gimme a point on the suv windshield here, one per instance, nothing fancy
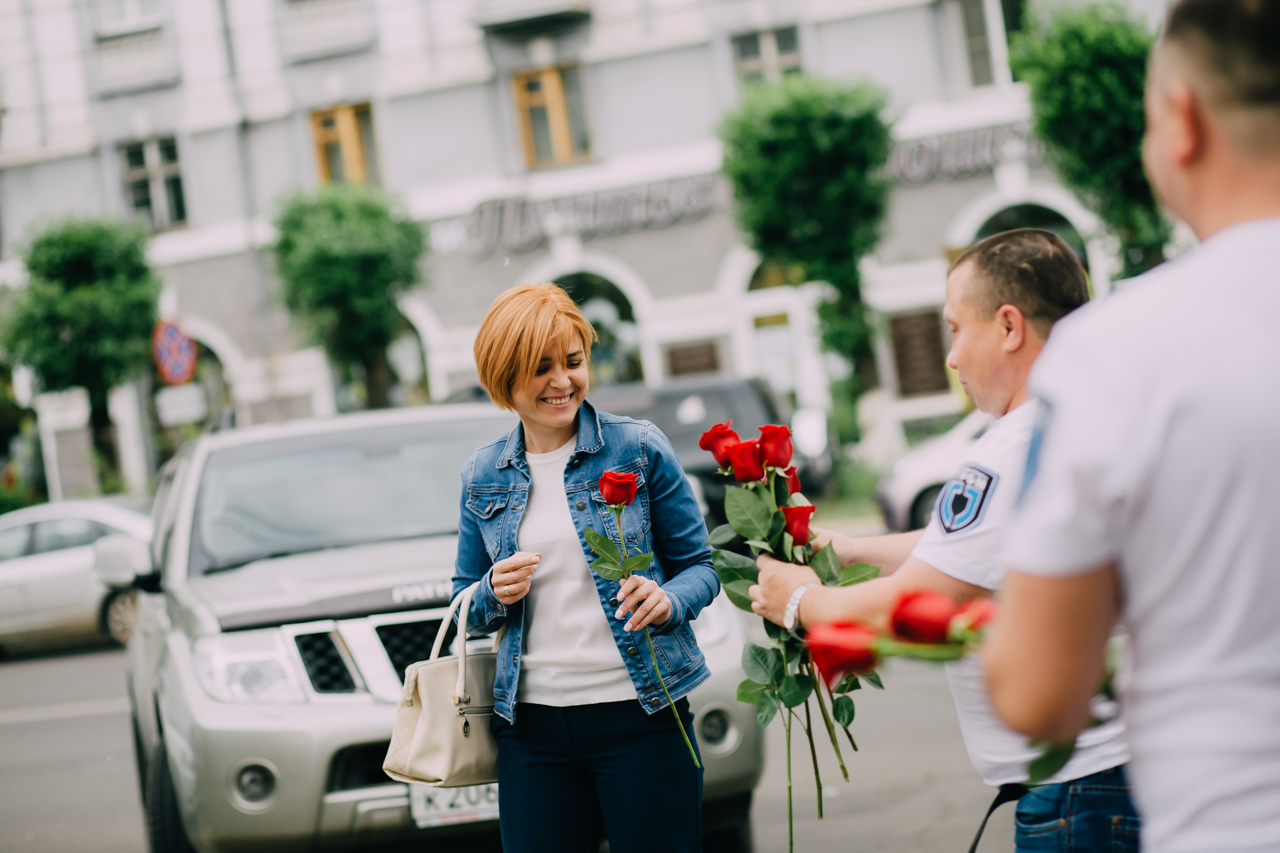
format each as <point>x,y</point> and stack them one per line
<point>309,493</point>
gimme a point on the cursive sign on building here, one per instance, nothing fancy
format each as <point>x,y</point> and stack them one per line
<point>964,154</point>
<point>513,225</point>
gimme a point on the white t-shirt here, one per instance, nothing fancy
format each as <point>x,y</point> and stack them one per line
<point>1159,450</point>
<point>964,539</point>
<point>570,657</point>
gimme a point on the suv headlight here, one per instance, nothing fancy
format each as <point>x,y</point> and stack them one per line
<point>248,666</point>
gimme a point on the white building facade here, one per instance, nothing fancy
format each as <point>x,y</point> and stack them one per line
<point>568,140</point>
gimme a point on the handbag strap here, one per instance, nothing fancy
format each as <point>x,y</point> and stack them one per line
<point>463,601</point>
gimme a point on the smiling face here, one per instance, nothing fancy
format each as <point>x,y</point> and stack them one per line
<point>983,349</point>
<point>548,403</point>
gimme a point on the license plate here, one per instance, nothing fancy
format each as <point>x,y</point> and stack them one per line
<point>437,806</point>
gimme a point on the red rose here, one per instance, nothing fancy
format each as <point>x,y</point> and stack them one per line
<point>744,456</point>
<point>796,522</point>
<point>618,488</point>
<point>775,445</point>
<point>922,616</point>
<point>793,479</point>
<point>838,649</point>
<point>976,615</point>
<point>717,439</point>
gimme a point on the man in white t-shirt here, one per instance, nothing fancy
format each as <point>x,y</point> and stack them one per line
<point>1003,296</point>
<point>1154,488</point>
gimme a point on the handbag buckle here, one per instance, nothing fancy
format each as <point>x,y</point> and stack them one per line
<point>461,700</point>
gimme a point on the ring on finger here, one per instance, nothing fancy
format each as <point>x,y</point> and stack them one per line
<point>506,590</point>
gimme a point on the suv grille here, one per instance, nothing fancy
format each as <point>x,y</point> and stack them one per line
<point>410,642</point>
<point>325,666</point>
<point>358,766</point>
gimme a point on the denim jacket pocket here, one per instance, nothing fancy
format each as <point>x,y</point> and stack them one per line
<point>488,507</point>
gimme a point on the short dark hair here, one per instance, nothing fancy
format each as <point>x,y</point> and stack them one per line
<point>1034,271</point>
<point>1235,46</point>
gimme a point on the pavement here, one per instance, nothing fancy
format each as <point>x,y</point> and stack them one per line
<point>68,783</point>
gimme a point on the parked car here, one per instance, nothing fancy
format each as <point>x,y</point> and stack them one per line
<point>49,588</point>
<point>908,492</point>
<point>297,569</point>
<point>685,409</point>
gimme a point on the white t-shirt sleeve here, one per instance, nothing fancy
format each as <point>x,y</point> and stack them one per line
<point>1070,515</point>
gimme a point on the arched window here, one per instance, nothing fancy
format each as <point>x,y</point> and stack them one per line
<point>616,357</point>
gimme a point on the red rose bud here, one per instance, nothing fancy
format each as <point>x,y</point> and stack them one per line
<point>975,616</point>
<point>923,616</point>
<point>796,522</point>
<point>618,488</point>
<point>793,479</point>
<point>717,439</point>
<point>745,459</point>
<point>775,445</point>
<point>838,649</point>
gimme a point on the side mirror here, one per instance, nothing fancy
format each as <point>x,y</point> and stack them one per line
<point>122,561</point>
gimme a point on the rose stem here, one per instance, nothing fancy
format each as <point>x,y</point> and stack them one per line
<point>791,840</point>
<point>813,754</point>
<point>826,719</point>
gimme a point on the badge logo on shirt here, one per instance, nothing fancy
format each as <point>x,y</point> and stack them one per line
<point>964,498</point>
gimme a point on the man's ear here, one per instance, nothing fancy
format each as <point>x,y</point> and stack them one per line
<point>1014,326</point>
<point>1189,130</point>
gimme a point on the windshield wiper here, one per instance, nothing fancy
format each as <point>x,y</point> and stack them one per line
<point>273,555</point>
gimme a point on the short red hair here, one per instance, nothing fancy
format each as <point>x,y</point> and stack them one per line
<point>516,331</point>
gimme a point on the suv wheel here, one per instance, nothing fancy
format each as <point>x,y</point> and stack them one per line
<point>164,822</point>
<point>922,507</point>
<point>120,614</point>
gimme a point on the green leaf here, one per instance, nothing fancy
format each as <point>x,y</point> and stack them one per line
<point>731,566</point>
<point>774,630</point>
<point>857,573</point>
<point>608,569</point>
<point>777,523</point>
<point>848,684</point>
<point>602,545</point>
<point>760,545</point>
<point>795,689</point>
<point>788,544</point>
<point>826,565</point>
<point>738,595</point>
<point>798,499</point>
<point>750,691</point>
<point>1052,759</point>
<point>722,535</point>
<point>842,709</point>
<point>749,514</point>
<point>637,563</point>
<point>781,492</point>
<point>757,663</point>
<point>873,678</point>
<point>766,708</point>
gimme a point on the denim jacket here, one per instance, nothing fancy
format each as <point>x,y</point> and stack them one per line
<point>664,519</point>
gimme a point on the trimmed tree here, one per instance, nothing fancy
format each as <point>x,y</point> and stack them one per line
<point>345,255</point>
<point>806,158</point>
<point>86,316</point>
<point>1086,66</point>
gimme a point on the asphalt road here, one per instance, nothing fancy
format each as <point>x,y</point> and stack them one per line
<point>67,781</point>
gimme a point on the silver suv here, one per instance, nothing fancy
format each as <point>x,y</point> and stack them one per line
<point>296,570</point>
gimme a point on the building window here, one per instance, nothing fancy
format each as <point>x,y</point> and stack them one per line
<point>153,183</point>
<point>977,45</point>
<point>344,145</point>
<point>127,15</point>
<point>693,358</point>
<point>919,353</point>
<point>553,121</point>
<point>766,56</point>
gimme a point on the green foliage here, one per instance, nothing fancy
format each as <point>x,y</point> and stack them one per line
<point>805,156</point>
<point>344,255</point>
<point>85,319</point>
<point>1086,66</point>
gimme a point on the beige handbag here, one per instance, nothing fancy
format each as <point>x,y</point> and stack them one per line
<point>441,735</point>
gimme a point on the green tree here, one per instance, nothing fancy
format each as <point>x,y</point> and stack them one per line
<point>344,255</point>
<point>86,316</point>
<point>806,159</point>
<point>1086,66</point>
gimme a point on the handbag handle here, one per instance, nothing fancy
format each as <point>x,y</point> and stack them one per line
<point>463,600</point>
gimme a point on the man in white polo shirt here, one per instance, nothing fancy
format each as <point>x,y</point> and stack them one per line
<point>1154,495</point>
<point>1003,296</point>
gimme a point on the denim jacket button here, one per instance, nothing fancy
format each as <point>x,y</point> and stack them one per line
<point>613,602</point>
<point>633,651</point>
<point>581,505</point>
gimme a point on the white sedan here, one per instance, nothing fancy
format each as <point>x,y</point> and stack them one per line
<point>907,493</point>
<point>49,586</point>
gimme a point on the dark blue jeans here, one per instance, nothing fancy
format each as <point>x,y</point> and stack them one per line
<point>563,772</point>
<point>1092,814</point>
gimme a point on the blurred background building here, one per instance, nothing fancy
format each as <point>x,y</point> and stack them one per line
<point>565,140</point>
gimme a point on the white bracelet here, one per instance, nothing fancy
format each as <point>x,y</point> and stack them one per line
<point>791,615</point>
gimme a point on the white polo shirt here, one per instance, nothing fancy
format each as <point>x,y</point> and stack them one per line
<point>1159,451</point>
<point>964,540</point>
